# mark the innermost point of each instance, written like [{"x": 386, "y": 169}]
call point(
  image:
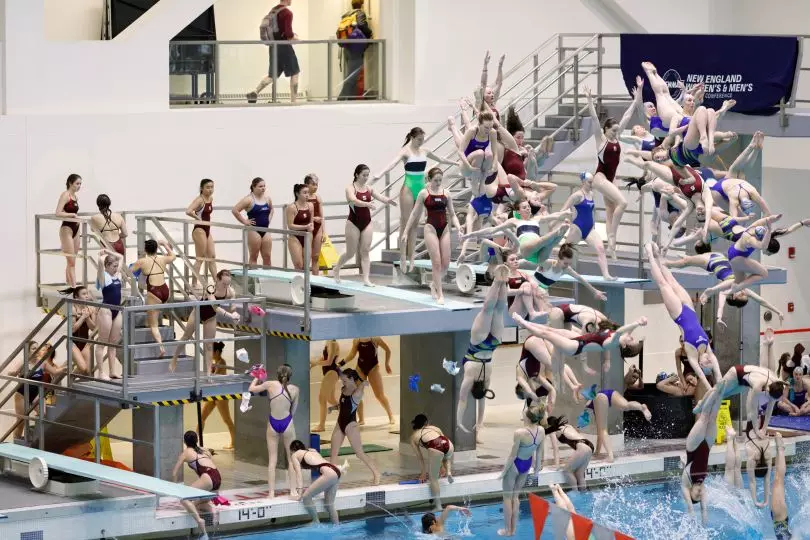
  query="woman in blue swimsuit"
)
[
  {"x": 527, "y": 449},
  {"x": 583, "y": 227},
  {"x": 682, "y": 310},
  {"x": 259, "y": 209},
  {"x": 283, "y": 398},
  {"x": 108, "y": 281}
]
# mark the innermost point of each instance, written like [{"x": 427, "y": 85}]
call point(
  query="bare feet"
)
[
  {"x": 648, "y": 66},
  {"x": 501, "y": 272},
  {"x": 368, "y": 283},
  {"x": 433, "y": 292},
  {"x": 375, "y": 478},
  {"x": 336, "y": 273},
  {"x": 318, "y": 429},
  {"x": 646, "y": 412},
  {"x": 504, "y": 532},
  {"x": 228, "y": 446},
  {"x": 451, "y": 123},
  {"x": 440, "y": 300}
]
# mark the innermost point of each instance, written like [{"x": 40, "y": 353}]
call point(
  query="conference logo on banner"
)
[{"x": 756, "y": 71}]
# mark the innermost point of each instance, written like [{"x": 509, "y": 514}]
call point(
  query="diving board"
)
[
  {"x": 465, "y": 276},
  {"x": 96, "y": 471},
  {"x": 296, "y": 281}
]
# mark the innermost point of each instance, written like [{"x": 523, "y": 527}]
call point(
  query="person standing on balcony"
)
[
  {"x": 311, "y": 181},
  {"x": 277, "y": 26},
  {"x": 353, "y": 25},
  {"x": 68, "y": 207}
]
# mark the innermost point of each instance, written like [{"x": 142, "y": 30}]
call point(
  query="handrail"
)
[{"x": 40, "y": 325}]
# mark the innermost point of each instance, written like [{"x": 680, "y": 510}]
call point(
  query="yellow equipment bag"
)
[
  {"x": 329, "y": 255},
  {"x": 106, "y": 448}
]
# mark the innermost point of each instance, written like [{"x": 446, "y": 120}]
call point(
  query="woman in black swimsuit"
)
[
  {"x": 346, "y": 427},
  {"x": 369, "y": 367},
  {"x": 326, "y": 395},
  {"x": 582, "y": 448},
  {"x": 327, "y": 482},
  {"x": 84, "y": 322},
  {"x": 220, "y": 290},
  {"x": 440, "y": 453},
  {"x": 68, "y": 207},
  {"x": 110, "y": 225},
  {"x": 47, "y": 372},
  {"x": 208, "y": 478},
  {"x": 153, "y": 269}
]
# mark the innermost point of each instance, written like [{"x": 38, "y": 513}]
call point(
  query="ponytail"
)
[
  {"x": 284, "y": 374},
  {"x": 412, "y": 134}
]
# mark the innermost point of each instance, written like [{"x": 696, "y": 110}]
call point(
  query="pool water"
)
[{"x": 643, "y": 511}]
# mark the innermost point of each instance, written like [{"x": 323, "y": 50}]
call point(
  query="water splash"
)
[{"x": 409, "y": 527}]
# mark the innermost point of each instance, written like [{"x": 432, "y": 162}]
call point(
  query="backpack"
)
[{"x": 348, "y": 29}]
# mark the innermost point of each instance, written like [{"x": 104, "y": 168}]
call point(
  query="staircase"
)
[{"x": 77, "y": 420}]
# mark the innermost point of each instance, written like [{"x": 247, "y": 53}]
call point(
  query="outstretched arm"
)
[
  {"x": 582, "y": 281},
  {"x": 599, "y": 135},
  {"x": 628, "y": 114}
]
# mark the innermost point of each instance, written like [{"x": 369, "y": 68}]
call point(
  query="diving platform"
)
[
  {"x": 95, "y": 471},
  {"x": 168, "y": 386}
]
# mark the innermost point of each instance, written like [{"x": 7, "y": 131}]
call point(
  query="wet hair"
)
[
  {"x": 555, "y": 423},
  {"x": 309, "y": 179},
  {"x": 632, "y": 350},
  {"x": 736, "y": 302},
  {"x": 255, "y": 182},
  {"x": 419, "y": 421},
  {"x": 607, "y": 324},
  {"x": 773, "y": 246},
  {"x": 204, "y": 182},
  {"x": 359, "y": 170},
  {"x": 783, "y": 360},
  {"x": 433, "y": 172},
  {"x": 638, "y": 183},
  {"x": 284, "y": 374},
  {"x": 427, "y": 522},
  {"x": 520, "y": 392},
  {"x": 297, "y": 445},
  {"x": 74, "y": 291},
  {"x": 776, "y": 389},
  {"x": 103, "y": 202},
  {"x": 798, "y": 351},
  {"x": 535, "y": 413},
  {"x": 297, "y": 189},
  {"x": 609, "y": 123},
  {"x": 357, "y": 4},
  {"x": 480, "y": 391},
  {"x": 108, "y": 260},
  {"x": 72, "y": 180},
  {"x": 219, "y": 347},
  {"x": 192, "y": 441},
  {"x": 485, "y": 116},
  {"x": 222, "y": 273},
  {"x": 150, "y": 247},
  {"x": 513, "y": 123},
  {"x": 412, "y": 134},
  {"x": 566, "y": 251},
  {"x": 702, "y": 247},
  {"x": 761, "y": 467},
  {"x": 352, "y": 374}
]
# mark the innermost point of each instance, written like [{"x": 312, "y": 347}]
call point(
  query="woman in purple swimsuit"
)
[
  {"x": 283, "y": 403},
  {"x": 527, "y": 448},
  {"x": 439, "y": 450}
]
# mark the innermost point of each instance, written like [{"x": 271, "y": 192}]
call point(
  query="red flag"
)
[
  {"x": 582, "y": 527},
  {"x": 539, "y": 508},
  {"x": 622, "y": 536}
]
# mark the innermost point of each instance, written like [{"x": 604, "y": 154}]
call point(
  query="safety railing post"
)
[
  {"x": 599, "y": 63},
  {"x": 329, "y": 68},
  {"x": 97, "y": 428},
  {"x": 245, "y": 259},
  {"x": 383, "y": 71},
  {"x": 285, "y": 252},
  {"x": 197, "y": 350},
  {"x": 41, "y": 418},
  {"x": 560, "y": 58},
  {"x": 535, "y": 80},
  {"x": 387, "y": 212},
  {"x": 26, "y": 391},
  {"x": 186, "y": 274},
  {"x": 156, "y": 439},
  {"x": 576, "y": 98},
  {"x": 274, "y": 67},
  {"x": 641, "y": 222},
  {"x": 141, "y": 226},
  {"x": 69, "y": 333},
  {"x": 84, "y": 254},
  {"x": 217, "y": 71},
  {"x": 125, "y": 350},
  {"x": 38, "y": 250},
  {"x": 307, "y": 272}
]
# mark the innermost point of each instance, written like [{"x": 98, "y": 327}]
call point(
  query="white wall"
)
[{"x": 73, "y": 20}]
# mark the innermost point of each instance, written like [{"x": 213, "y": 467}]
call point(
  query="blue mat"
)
[{"x": 801, "y": 423}]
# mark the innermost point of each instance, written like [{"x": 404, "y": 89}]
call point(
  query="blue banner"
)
[{"x": 756, "y": 71}]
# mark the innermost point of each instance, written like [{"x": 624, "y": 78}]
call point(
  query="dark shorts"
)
[{"x": 287, "y": 61}]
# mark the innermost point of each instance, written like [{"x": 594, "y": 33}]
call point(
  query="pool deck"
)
[{"x": 124, "y": 513}]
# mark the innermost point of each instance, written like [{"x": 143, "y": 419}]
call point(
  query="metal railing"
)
[
  {"x": 320, "y": 62},
  {"x": 60, "y": 392}
]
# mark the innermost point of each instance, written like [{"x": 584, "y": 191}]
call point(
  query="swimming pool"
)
[{"x": 644, "y": 511}]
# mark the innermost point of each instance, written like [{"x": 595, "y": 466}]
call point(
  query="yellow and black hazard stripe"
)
[
  {"x": 175, "y": 402},
  {"x": 254, "y": 330}
]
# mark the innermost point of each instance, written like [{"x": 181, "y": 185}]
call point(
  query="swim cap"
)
[
  {"x": 747, "y": 206},
  {"x": 759, "y": 232}
]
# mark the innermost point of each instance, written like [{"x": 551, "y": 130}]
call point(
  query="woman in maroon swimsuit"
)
[
  {"x": 369, "y": 368},
  {"x": 438, "y": 202},
  {"x": 608, "y": 152},
  {"x": 200, "y": 209},
  {"x": 110, "y": 225},
  {"x": 311, "y": 180},
  {"x": 299, "y": 217},
  {"x": 153, "y": 269},
  {"x": 326, "y": 483},
  {"x": 68, "y": 207},
  {"x": 439, "y": 450},
  {"x": 359, "y": 230},
  {"x": 84, "y": 322},
  {"x": 208, "y": 478}
]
